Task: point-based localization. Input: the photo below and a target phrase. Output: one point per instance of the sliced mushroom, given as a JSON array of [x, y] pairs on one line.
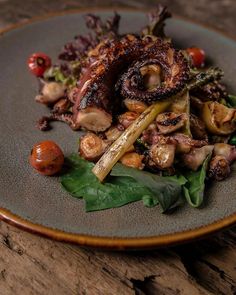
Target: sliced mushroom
[[219, 119], [196, 157], [162, 155], [169, 122]]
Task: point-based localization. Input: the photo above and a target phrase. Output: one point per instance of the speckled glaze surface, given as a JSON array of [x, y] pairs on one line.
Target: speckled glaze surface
[[41, 200]]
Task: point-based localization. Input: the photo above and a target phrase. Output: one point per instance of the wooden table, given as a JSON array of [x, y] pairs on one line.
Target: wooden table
[[33, 265]]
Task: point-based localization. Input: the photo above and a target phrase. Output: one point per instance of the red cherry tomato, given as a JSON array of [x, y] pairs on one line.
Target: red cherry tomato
[[38, 63], [46, 157], [198, 56]]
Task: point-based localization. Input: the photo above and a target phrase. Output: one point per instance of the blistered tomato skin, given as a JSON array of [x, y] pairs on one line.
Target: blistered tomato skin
[[198, 56], [46, 157], [38, 63]]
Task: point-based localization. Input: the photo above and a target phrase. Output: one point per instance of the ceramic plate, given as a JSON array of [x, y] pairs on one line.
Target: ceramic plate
[[38, 203]]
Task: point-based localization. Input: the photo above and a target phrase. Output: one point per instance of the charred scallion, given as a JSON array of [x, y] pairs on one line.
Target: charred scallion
[[120, 146]]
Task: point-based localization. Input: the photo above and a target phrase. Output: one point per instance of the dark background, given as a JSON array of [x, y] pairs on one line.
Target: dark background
[[217, 13]]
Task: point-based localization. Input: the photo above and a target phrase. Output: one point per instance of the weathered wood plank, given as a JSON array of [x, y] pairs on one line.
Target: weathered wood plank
[[33, 265]]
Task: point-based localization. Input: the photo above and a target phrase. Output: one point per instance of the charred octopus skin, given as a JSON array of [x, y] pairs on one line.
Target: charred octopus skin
[[174, 68], [96, 85]]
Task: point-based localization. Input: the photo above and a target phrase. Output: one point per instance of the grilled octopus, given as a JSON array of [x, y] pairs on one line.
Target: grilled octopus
[[96, 92]]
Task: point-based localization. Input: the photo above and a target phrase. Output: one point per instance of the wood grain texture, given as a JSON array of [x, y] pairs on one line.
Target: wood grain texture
[[34, 265], [218, 13]]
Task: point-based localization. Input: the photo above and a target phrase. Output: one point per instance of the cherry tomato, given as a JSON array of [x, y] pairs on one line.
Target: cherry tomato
[[198, 56], [46, 157], [38, 63]]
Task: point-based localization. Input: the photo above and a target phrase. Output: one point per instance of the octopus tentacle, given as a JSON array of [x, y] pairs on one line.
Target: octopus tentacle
[[43, 124], [175, 79], [96, 86]]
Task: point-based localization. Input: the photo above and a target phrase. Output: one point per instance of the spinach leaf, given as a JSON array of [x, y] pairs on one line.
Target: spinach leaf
[[232, 100], [233, 139], [126, 185], [166, 191], [79, 181], [194, 188]]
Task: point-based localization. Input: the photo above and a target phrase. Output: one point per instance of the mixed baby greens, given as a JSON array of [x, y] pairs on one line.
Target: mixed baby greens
[[125, 185]]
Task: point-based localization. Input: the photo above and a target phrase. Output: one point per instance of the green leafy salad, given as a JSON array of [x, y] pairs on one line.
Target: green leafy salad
[[126, 185]]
